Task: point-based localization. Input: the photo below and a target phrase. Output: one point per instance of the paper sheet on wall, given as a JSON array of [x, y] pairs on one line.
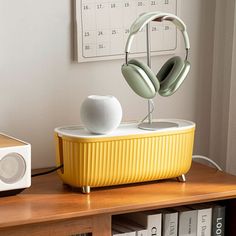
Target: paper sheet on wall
[[102, 28]]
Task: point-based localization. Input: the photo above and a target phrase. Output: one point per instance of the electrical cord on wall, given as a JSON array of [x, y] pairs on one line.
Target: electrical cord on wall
[[207, 159], [48, 171]]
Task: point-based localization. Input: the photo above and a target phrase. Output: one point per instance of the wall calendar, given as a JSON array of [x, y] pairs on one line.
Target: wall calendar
[[102, 28]]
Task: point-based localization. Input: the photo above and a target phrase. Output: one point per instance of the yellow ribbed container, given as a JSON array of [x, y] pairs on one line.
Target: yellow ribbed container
[[121, 159]]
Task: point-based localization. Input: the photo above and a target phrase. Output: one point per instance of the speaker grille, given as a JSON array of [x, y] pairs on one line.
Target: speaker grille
[[12, 168]]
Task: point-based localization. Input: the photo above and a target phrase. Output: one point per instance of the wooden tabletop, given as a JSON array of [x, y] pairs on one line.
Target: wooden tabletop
[[49, 200]]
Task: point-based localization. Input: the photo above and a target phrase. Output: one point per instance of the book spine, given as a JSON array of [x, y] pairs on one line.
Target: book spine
[[154, 224], [188, 223], [204, 222], [170, 224], [130, 234], [218, 221], [142, 232]]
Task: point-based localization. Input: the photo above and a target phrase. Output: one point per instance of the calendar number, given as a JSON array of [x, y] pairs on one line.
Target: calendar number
[[101, 46], [86, 7], [154, 28], [86, 34], [99, 6], [126, 31], [100, 33], [104, 26], [153, 3], [140, 4]]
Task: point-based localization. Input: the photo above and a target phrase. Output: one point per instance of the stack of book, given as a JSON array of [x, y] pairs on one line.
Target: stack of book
[[192, 220]]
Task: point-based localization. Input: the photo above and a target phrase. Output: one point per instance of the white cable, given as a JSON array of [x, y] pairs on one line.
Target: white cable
[[207, 159]]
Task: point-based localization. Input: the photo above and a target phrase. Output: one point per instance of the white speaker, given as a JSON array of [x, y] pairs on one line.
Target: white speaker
[[15, 165]]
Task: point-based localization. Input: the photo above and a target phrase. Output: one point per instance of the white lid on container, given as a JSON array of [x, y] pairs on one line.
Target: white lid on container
[[126, 129]]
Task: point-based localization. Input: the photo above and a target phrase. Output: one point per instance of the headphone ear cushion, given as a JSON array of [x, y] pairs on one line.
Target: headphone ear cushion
[[172, 75], [138, 80], [148, 72]]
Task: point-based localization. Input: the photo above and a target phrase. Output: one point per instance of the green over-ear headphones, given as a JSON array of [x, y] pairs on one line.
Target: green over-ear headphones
[[172, 74]]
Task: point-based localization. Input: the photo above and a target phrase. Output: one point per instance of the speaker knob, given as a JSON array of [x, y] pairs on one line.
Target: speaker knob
[[12, 168]]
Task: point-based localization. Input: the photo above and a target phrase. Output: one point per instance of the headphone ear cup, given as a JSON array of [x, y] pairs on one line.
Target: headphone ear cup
[[138, 80], [172, 75], [148, 72]]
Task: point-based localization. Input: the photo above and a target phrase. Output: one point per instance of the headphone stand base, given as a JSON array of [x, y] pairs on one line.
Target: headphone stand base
[[158, 125]]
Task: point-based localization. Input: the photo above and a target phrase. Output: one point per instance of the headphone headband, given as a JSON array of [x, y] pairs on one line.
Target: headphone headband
[[145, 18]]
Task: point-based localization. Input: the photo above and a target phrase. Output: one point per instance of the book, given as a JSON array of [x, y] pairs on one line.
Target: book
[[151, 220], [187, 221], [170, 223], [204, 219], [218, 218], [130, 224]]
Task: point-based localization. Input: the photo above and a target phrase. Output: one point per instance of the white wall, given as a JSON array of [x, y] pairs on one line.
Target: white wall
[[42, 88]]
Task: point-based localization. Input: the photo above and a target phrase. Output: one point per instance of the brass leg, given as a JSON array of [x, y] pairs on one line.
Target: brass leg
[[181, 178], [86, 189]]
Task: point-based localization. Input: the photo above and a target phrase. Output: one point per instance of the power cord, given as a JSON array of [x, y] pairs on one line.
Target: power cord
[[47, 172], [207, 159], [194, 157]]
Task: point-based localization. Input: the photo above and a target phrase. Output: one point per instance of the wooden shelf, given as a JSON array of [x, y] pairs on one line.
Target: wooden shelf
[[63, 211]]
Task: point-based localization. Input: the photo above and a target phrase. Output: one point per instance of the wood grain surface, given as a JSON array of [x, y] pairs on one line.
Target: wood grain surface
[[48, 199]]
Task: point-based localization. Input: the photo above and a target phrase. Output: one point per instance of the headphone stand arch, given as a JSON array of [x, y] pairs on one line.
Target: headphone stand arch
[[168, 87]]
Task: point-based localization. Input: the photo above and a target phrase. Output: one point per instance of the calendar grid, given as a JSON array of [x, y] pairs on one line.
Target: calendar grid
[[103, 28]]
